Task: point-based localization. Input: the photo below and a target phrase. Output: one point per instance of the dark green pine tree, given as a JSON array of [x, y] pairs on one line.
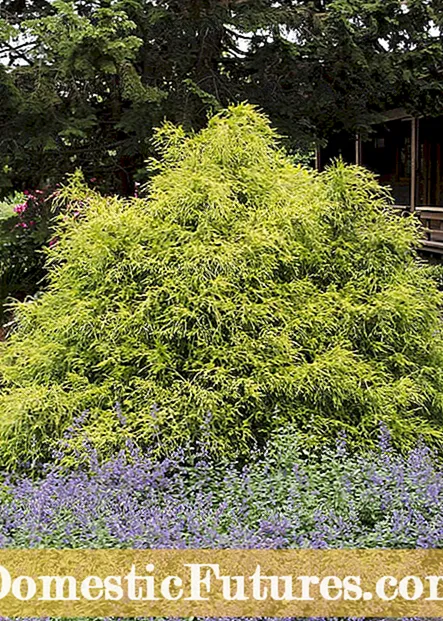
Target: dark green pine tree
[[88, 81]]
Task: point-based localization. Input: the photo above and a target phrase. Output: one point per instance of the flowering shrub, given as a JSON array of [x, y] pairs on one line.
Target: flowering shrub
[[25, 223], [287, 499]]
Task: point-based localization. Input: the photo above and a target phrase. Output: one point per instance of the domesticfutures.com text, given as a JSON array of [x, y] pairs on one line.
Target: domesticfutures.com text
[[200, 582]]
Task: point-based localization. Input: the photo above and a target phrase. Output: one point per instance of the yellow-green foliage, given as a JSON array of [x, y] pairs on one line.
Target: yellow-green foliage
[[244, 291]]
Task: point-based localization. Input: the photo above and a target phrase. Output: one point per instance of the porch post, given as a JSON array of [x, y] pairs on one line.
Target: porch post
[[414, 158]]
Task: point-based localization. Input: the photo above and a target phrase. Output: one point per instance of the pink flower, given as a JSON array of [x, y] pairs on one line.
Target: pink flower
[[93, 180], [39, 192], [20, 208]]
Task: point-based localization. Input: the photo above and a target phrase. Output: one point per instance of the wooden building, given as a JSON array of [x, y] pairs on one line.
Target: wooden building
[[407, 154]]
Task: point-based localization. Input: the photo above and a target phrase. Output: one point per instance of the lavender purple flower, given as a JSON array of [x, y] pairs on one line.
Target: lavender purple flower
[[281, 500]]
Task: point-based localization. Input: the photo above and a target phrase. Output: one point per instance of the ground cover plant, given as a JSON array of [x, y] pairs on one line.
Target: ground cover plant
[[242, 293], [287, 498], [290, 498]]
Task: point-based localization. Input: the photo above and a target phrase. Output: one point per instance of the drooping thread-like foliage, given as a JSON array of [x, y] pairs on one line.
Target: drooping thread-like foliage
[[243, 293]]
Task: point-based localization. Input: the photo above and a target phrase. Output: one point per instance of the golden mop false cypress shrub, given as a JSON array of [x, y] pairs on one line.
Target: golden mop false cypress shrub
[[242, 294]]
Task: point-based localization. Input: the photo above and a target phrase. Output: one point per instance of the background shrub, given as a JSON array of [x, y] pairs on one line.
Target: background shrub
[[244, 290], [25, 226]]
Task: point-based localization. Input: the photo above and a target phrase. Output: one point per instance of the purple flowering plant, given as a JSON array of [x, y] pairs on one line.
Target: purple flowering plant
[[285, 498]]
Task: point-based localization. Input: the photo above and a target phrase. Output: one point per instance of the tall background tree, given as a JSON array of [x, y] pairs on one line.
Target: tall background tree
[[82, 84]]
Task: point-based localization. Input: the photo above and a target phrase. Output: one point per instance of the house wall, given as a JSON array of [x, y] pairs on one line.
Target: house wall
[[388, 152], [407, 155], [430, 171]]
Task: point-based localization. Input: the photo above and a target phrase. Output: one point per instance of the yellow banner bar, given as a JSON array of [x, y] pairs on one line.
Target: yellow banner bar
[[215, 583]]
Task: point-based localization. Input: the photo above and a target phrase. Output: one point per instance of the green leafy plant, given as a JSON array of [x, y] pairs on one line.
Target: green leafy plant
[[25, 225], [242, 294]]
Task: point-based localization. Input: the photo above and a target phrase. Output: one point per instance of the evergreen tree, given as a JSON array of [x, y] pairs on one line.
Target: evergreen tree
[[244, 293], [85, 82]]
